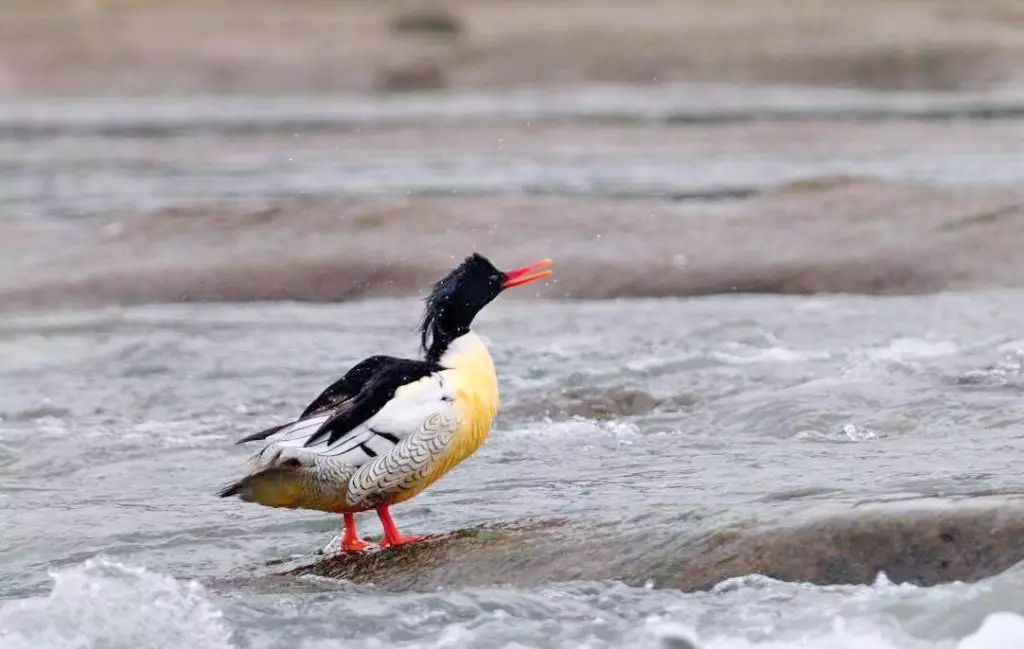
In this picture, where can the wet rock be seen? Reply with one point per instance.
(677, 642)
(601, 404)
(485, 554)
(925, 542)
(610, 404)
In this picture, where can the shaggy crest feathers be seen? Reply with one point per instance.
(455, 300)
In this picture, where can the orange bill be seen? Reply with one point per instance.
(520, 276)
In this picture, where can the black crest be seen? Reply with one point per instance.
(454, 302)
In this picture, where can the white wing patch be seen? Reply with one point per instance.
(405, 414)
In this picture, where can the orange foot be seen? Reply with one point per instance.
(350, 541)
(400, 540)
(355, 545)
(392, 536)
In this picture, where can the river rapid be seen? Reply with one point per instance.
(653, 420)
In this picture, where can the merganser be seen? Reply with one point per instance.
(390, 427)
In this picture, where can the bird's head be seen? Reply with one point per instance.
(462, 293)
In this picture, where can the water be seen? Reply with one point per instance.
(117, 429)
(144, 609)
(97, 157)
(646, 424)
(672, 102)
(68, 188)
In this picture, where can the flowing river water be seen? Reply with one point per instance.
(645, 424)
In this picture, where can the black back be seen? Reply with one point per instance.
(390, 375)
(348, 385)
(357, 395)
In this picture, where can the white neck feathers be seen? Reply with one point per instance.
(467, 349)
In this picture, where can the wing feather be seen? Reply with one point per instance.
(349, 385)
(399, 418)
(392, 404)
(357, 395)
(373, 396)
(336, 398)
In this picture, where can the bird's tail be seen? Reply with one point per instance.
(278, 484)
(233, 489)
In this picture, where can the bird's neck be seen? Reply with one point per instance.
(465, 351)
(444, 336)
(473, 366)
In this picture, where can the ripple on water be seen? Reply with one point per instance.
(102, 604)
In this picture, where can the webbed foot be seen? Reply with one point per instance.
(392, 536)
(387, 542)
(350, 541)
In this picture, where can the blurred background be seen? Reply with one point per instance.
(264, 165)
(326, 149)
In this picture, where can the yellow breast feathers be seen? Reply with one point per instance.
(476, 398)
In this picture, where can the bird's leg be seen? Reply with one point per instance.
(350, 541)
(391, 534)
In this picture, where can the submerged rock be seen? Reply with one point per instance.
(924, 542)
(592, 403)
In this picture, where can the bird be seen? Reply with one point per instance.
(390, 426)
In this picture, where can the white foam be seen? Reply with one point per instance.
(998, 631)
(907, 349)
(105, 604)
(657, 632)
(739, 354)
(857, 433)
